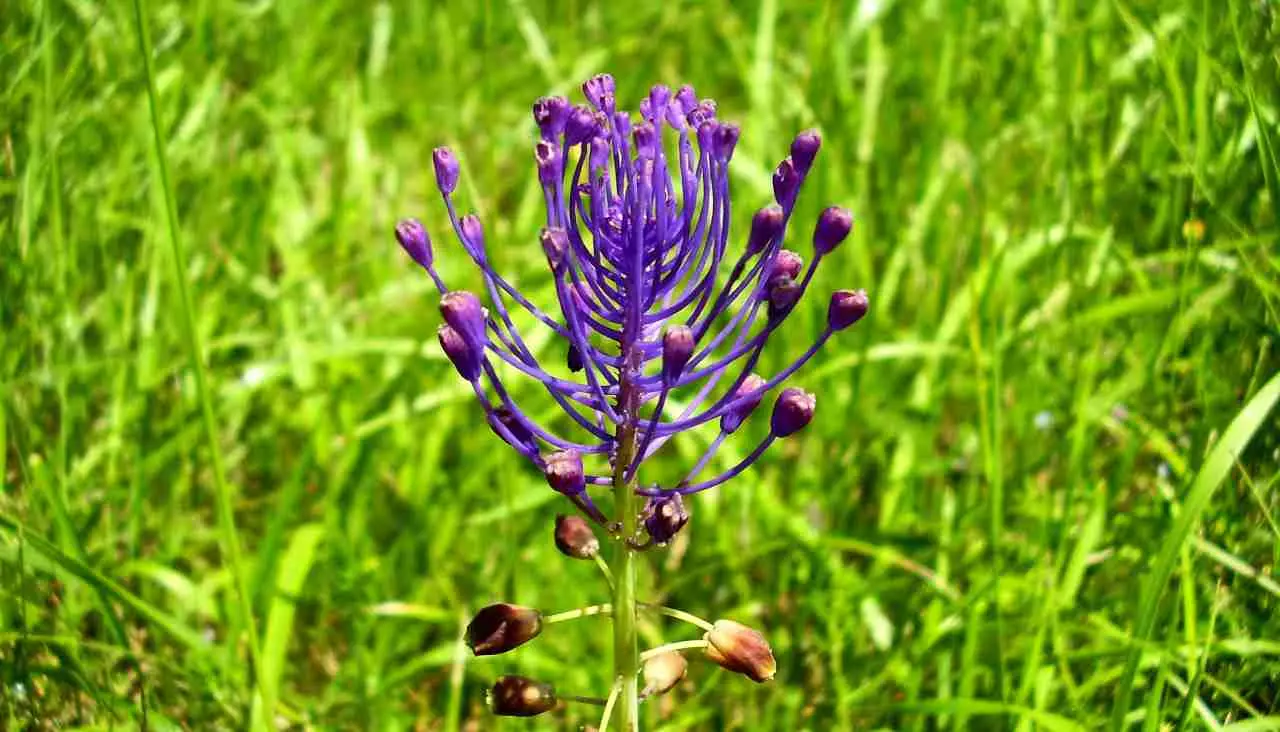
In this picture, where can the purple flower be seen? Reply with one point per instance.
(637, 226)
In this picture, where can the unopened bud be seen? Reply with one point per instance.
(574, 359)
(786, 263)
(786, 183)
(517, 696)
(460, 353)
(446, 166)
(550, 114)
(514, 426)
(740, 649)
(575, 539)
(792, 412)
(555, 243)
(412, 235)
(565, 473)
(732, 418)
(834, 224)
(580, 125)
(677, 349)
(847, 307)
(783, 294)
(502, 627)
(473, 232)
(765, 225)
(463, 312)
(726, 140)
(664, 516)
(547, 156)
(662, 672)
(804, 149)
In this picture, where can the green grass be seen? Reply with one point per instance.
(1042, 489)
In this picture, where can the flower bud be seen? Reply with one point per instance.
(726, 140)
(502, 627)
(677, 349)
(804, 149)
(580, 125)
(783, 294)
(847, 307)
(550, 113)
(664, 516)
(740, 649)
(599, 89)
(687, 99)
(765, 225)
(707, 135)
(786, 264)
(834, 224)
(517, 696)
(792, 412)
(514, 426)
(786, 183)
(574, 359)
(412, 235)
(547, 156)
(464, 358)
(575, 539)
(555, 243)
(734, 416)
(473, 232)
(662, 672)
(463, 312)
(565, 473)
(601, 154)
(446, 166)
(646, 140)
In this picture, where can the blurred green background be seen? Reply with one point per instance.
(1040, 491)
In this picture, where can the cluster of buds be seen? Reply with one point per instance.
(636, 239)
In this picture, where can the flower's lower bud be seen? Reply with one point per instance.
(446, 166)
(574, 359)
(664, 516)
(786, 183)
(783, 294)
(733, 417)
(804, 149)
(517, 696)
(792, 412)
(412, 235)
(677, 349)
(834, 224)
(847, 307)
(575, 539)
(740, 649)
(464, 358)
(463, 312)
(555, 242)
(765, 225)
(786, 264)
(502, 627)
(565, 473)
(662, 672)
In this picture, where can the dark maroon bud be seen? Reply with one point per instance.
(740, 649)
(664, 516)
(555, 242)
(565, 473)
(412, 235)
(662, 672)
(462, 312)
(783, 294)
(547, 155)
(792, 412)
(765, 226)
(786, 264)
(550, 114)
(517, 696)
(847, 307)
(834, 224)
(446, 166)
(473, 230)
(804, 149)
(502, 627)
(574, 359)
(677, 349)
(514, 426)
(751, 386)
(460, 353)
(575, 539)
(786, 183)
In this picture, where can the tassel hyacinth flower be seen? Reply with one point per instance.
(653, 295)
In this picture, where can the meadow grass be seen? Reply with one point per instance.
(242, 486)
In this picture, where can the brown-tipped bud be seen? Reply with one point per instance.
(575, 539)
(847, 307)
(792, 412)
(502, 627)
(677, 349)
(517, 696)
(565, 472)
(740, 649)
(663, 672)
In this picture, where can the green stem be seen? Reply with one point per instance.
(626, 658)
